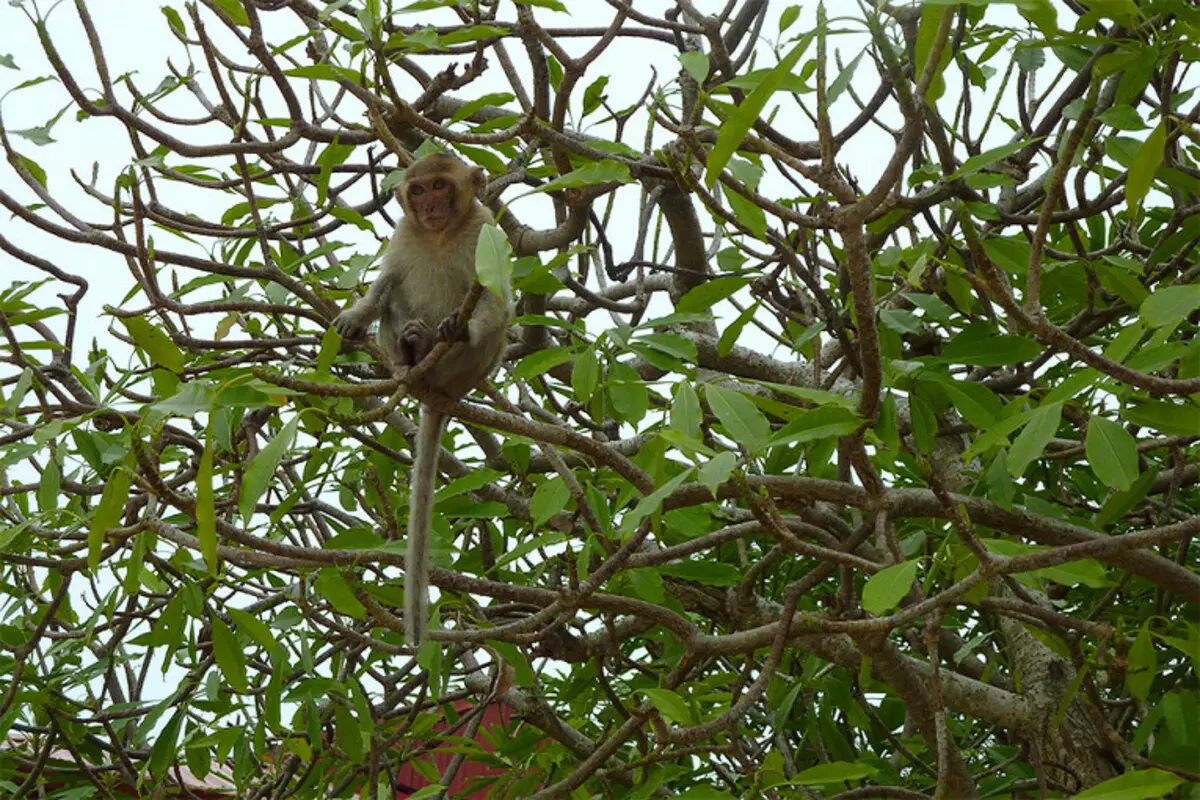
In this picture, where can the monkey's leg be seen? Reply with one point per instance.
(420, 517)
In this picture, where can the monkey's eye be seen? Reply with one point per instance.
(416, 190)
(438, 185)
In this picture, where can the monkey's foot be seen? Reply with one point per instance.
(414, 343)
(450, 331)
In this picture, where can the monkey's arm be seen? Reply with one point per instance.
(489, 321)
(354, 321)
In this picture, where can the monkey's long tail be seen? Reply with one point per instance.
(420, 518)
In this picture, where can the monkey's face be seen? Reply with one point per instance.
(432, 201)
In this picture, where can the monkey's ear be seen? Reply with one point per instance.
(478, 182)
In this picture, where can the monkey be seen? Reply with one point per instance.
(427, 270)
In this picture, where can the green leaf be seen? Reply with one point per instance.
(1121, 503)
(49, 486)
(162, 753)
(206, 515)
(651, 503)
(606, 171)
(330, 584)
(706, 792)
(712, 573)
(1030, 443)
(1168, 305)
(886, 588)
(834, 772)
(493, 261)
(927, 31)
(516, 658)
(550, 498)
(1138, 785)
(990, 351)
(740, 417)
(331, 345)
(989, 157)
(541, 361)
(1112, 452)
(156, 344)
(717, 471)
(1142, 663)
(529, 545)
(703, 297)
(696, 64)
(262, 468)
(254, 627)
(585, 375)
(818, 423)
(233, 9)
(733, 132)
(685, 410)
(174, 20)
(553, 5)
(669, 704)
(1148, 158)
(1173, 419)
(228, 655)
(648, 585)
(332, 156)
(842, 82)
(788, 17)
(730, 335)
(326, 72)
(1041, 13)
(348, 732)
(108, 513)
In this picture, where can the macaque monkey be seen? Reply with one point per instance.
(427, 271)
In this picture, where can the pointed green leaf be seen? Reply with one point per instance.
(734, 131)
(262, 468)
(741, 418)
(886, 588)
(818, 423)
(108, 513)
(227, 652)
(669, 704)
(493, 261)
(1148, 158)
(685, 410)
(206, 515)
(258, 630)
(330, 584)
(1139, 785)
(834, 772)
(1030, 443)
(717, 471)
(708, 294)
(1112, 452)
(1168, 305)
(156, 344)
(550, 498)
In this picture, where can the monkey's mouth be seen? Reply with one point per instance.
(435, 220)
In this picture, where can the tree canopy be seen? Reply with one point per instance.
(845, 445)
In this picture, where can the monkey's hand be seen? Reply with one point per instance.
(414, 343)
(450, 331)
(349, 325)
